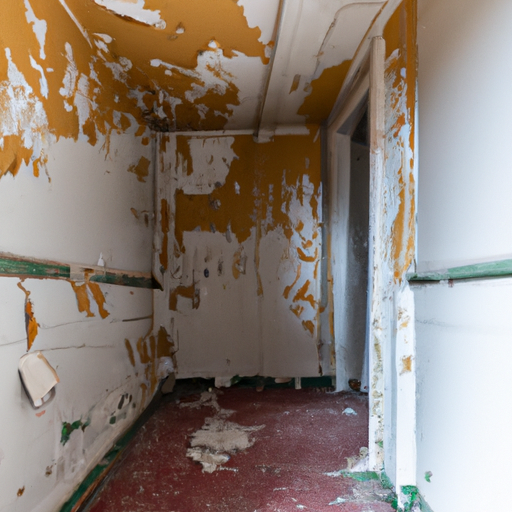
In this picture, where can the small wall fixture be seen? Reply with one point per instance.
(38, 378)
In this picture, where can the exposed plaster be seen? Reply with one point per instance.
(245, 221)
(134, 10)
(39, 26)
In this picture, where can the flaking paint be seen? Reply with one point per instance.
(277, 167)
(285, 178)
(78, 70)
(151, 350)
(84, 292)
(256, 221)
(401, 75)
(141, 169)
(31, 324)
(165, 226)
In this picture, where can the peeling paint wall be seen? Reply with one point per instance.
(79, 213)
(242, 281)
(391, 336)
(464, 210)
(392, 229)
(76, 187)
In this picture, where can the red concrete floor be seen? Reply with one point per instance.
(304, 434)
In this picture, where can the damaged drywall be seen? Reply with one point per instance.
(245, 233)
(80, 325)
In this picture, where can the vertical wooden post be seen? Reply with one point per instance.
(374, 313)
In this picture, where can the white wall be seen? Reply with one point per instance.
(463, 375)
(464, 107)
(464, 211)
(84, 211)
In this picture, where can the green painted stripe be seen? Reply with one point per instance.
(23, 268)
(501, 268)
(27, 268)
(127, 280)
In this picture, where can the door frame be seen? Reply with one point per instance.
(367, 85)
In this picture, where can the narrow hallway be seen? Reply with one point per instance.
(278, 449)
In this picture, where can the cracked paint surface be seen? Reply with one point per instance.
(74, 70)
(245, 228)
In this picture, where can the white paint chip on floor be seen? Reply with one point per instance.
(218, 438)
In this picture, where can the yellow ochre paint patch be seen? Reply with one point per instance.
(309, 326)
(129, 349)
(301, 295)
(406, 365)
(31, 325)
(323, 92)
(289, 288)
(400, 35)
(114, 69)
(276, 167)
(150, 350)
(188, 292)
(83, 300)
(99, 298)
(141, 170)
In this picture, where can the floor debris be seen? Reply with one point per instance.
(282, 467)
(218, 438)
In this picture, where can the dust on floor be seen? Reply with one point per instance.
(240, 450)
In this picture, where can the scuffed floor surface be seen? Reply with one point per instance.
(296, 443)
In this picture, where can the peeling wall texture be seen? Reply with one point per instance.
(242, 254)
(397, 224)
(85, 86)
(392, 235)
(76, 185)
(79, 325)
